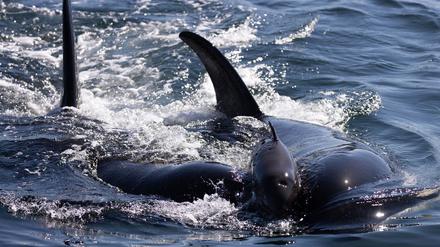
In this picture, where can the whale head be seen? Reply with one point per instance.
(275, 176)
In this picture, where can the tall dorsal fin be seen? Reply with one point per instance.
(70, 75)
(233, 97)
(274, 133)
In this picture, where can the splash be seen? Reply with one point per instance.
(241, 35)
(209, 211)
(54, 210)
(25, 47)
(27, 101)
(304, 32)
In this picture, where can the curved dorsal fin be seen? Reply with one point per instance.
(233, 97)
(274, 133)
(70, 76)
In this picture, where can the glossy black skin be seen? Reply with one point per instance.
(330, 164)
(70, 73)
(180, 182)
(275, 181)
(271, 183)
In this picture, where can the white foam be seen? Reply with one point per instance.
(52, 209)
(142, 5)
(409, 179)
(302, 33)
(209, 211)
(20, 6)
(240, 35)
(24, 47)
(198, 4)
(26, 101)
(27, 41)
(323, 112)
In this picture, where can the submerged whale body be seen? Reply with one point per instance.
(300, 169)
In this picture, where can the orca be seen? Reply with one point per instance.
(339, 163)
(330, 164)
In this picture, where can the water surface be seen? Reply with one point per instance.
(369, 69)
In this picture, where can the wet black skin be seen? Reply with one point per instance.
(276, 185)
(275, 178)
(180, 182)
(330, 164)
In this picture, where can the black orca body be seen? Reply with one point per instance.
(341, 163)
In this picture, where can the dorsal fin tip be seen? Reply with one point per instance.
(274, 133)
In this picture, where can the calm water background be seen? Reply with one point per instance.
(367, 68)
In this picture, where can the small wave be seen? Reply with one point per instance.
(211, 211)
(19, 7)
(345, 11)
(241, 35)
(24, 47)
(302, 33)
(427, 21)
(18, 100)
(55, 210)
(142, 5)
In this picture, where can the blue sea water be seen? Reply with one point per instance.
(367, 68)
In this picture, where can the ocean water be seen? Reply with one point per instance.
(368, 68)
